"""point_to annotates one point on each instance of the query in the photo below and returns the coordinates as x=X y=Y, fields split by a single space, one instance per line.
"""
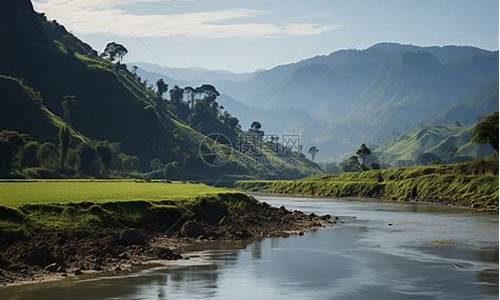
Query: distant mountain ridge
x=371 y=95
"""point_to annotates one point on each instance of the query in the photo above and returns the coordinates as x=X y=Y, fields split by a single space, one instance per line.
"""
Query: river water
x=427 y=252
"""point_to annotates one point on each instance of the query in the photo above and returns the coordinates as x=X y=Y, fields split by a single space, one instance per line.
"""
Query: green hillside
x=35 y=119
x=111 y=103
x=451 y=143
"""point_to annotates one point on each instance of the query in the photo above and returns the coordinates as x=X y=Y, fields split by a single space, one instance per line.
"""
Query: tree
x=351 y=164
x=156 y=164
x=207 y=92
x=486 y=131
x=161 y=87
x=6 y=157
x=29 y=155
x=313 y=150
x=176 y=94
x=233 y=122
x=172 y=171
x=64 y=140
x=114 y=51
x=189 y=94
x=134 y=70
x=129 y=163
x=48 y=155
x=68 y=103
x=88 y=160
x=363 y=152
x=106 y=154
x=255 y=125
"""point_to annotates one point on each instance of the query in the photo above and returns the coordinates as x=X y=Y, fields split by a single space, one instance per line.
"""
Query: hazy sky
x=246 y=35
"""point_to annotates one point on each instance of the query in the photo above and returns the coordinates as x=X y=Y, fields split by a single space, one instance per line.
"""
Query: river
x=382 y=250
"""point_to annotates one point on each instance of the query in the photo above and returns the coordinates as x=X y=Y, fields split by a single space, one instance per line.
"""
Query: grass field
x=16 y=194
x=472 y=184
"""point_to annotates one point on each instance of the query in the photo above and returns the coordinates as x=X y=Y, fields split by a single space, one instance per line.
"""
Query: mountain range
x=349 y=97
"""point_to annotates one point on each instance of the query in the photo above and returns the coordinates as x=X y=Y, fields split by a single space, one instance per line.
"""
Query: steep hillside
x=449 y=142
x=470 y=110
x=35 y=119
x=111 y=103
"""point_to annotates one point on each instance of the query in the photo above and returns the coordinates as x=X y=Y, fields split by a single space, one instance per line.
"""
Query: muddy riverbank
x=43 y=255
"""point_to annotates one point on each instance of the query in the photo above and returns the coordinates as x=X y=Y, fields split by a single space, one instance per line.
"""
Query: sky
x=243 y=36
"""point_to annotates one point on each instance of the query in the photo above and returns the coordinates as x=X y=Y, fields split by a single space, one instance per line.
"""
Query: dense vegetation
x=100 y=118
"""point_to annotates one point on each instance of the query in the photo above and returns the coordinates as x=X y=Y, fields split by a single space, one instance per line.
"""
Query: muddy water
x=381 y=251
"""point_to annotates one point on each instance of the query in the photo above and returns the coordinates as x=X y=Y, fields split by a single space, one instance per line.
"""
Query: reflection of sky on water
x=428 y=253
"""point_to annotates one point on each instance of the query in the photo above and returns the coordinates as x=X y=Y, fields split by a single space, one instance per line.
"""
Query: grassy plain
x=18 y=193
x=88 y=205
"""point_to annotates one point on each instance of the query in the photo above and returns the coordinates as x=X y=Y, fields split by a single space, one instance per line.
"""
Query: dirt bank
x=48 y=254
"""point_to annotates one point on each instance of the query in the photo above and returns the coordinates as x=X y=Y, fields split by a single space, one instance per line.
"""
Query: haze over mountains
x=349 y=97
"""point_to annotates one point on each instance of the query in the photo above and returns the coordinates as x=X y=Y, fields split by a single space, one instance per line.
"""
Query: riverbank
x=470 y=185
x=54 y=240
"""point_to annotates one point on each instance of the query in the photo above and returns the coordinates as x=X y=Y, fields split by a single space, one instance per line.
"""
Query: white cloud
x=109 y=17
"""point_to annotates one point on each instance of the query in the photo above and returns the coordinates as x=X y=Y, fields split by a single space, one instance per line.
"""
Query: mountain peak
x=394 y=47
x=19 y=22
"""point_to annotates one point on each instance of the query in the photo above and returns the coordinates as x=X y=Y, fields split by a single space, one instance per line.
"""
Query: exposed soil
x=50 y=255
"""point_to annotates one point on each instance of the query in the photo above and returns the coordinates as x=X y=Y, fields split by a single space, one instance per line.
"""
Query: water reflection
x=427 y=253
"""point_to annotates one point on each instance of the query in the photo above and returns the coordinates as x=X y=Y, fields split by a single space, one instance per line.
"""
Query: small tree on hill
x=176 y=94
x=6 y=157
x=156 y=164
x=363 y=152
x=114 y=51
x=106 y=154
x=48 y=155
x=161 y=88
x=351 y=164
x=29 y=155
x=313 y=150
x=486 y=131
x=64 y=140
x=68 y=103
x=88 y=160
x=172 y=171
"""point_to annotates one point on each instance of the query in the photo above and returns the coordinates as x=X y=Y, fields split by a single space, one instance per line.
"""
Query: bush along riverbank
x=51 y=241
x=471 y=185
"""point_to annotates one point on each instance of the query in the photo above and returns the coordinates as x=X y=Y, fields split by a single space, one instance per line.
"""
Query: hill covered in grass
x=450 y=143
x=35 y=119
x=472 y=184
x=42 y=64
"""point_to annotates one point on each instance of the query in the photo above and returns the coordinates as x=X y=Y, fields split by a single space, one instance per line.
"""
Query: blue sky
x=239 y=35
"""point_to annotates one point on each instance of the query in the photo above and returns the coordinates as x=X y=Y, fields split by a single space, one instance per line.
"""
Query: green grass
x=446 y=141
x=93 y=206
x=472 y=184
x=16 y=194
